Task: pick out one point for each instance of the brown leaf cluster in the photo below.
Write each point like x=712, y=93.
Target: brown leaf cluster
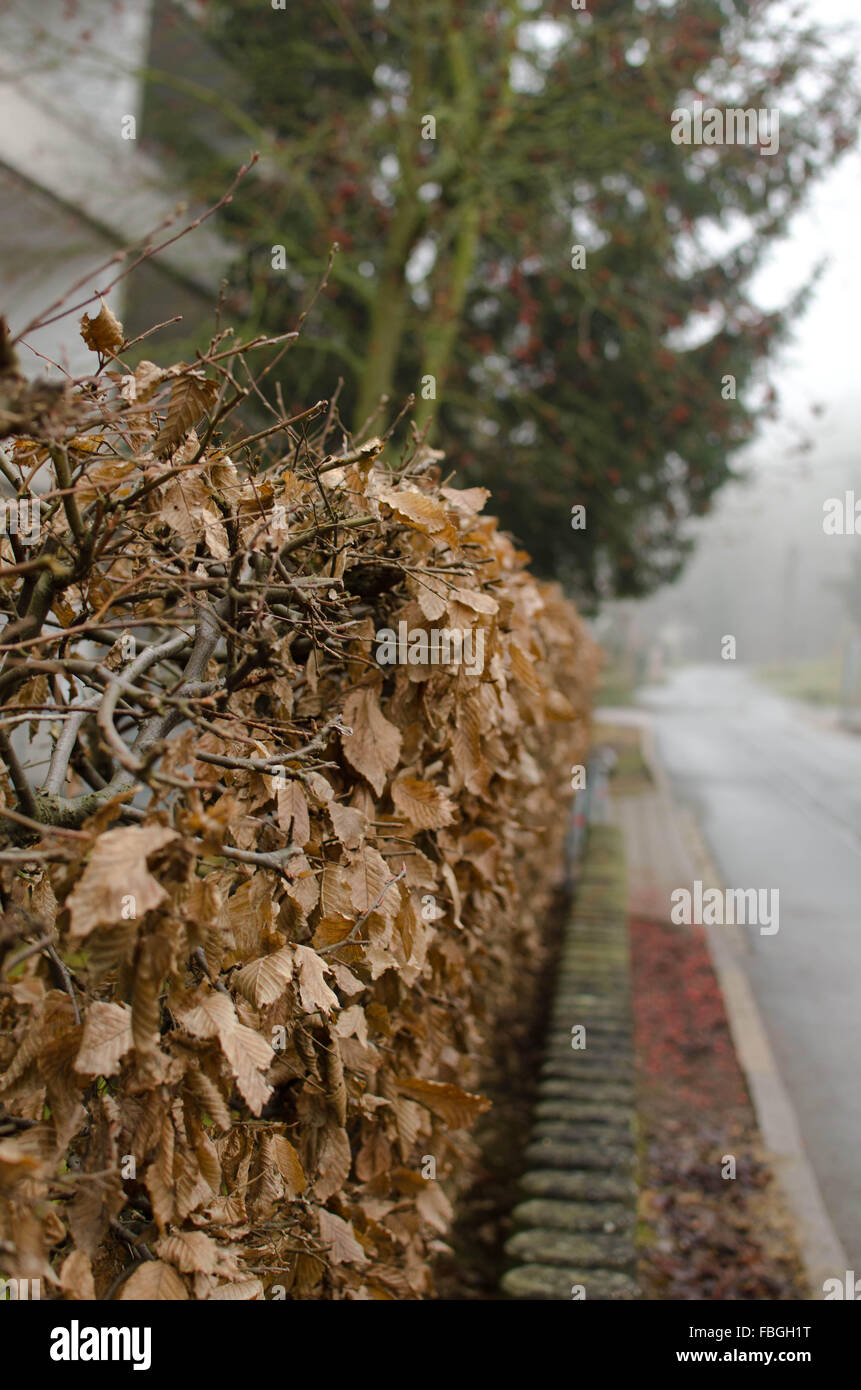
x=282, y=895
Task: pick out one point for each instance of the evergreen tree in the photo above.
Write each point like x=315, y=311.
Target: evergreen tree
x=459, y=151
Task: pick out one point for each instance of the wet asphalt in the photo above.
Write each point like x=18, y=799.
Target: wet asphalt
x=776, y=791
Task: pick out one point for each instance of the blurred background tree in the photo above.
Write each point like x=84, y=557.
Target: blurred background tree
x=458, y=151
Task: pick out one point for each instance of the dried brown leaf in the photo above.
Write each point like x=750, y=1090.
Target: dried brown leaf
x=314, y=993
x=242, y=1290
x=76, y=1277
x=117, y=869
x=375, y=744
x=249, y=1055
x=289, y=1166
x=153, y=1281
x=293, y=811
x=103, y=333
x=454, y=1106
x=340, y=1239
x=426, y=806
x=265, y=980
x=333, y=1166
x=191, y=396
x=107, y=1038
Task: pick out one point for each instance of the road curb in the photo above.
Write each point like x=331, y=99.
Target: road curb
x=577, y=1224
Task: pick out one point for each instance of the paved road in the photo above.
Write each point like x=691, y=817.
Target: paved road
x=777, y=795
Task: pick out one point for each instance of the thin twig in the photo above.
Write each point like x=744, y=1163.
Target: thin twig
x=23, y=790
x=349, y=939
x=32, y=950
